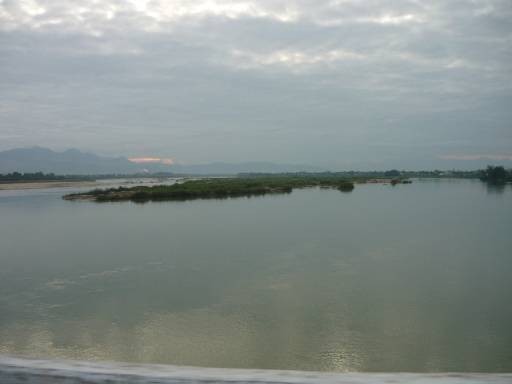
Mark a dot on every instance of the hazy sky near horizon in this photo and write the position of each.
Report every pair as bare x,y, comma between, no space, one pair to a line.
343,83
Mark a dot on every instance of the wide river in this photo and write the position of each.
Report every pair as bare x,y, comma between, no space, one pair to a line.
408,278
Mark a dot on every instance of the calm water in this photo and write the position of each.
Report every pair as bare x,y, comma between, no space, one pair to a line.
411,278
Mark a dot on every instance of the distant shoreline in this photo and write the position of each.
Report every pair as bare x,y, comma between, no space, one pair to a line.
20,185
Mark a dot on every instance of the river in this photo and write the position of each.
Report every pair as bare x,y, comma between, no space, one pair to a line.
407,278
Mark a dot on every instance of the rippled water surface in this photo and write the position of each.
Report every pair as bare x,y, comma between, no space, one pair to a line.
407,278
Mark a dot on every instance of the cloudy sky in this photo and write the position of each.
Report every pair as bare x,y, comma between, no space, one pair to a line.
339,83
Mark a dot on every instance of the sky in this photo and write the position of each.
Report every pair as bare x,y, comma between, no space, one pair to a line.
344,84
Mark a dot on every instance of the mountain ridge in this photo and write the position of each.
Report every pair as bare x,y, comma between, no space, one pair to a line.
76,162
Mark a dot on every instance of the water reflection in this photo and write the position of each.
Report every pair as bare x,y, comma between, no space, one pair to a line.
496,188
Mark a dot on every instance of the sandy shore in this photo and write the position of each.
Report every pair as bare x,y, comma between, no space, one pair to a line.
46,184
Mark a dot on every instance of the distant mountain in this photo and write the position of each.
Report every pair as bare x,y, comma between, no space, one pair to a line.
75,162
72,161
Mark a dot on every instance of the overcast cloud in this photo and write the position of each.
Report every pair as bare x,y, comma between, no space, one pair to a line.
340,83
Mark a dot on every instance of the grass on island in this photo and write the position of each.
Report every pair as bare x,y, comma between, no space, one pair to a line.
215,188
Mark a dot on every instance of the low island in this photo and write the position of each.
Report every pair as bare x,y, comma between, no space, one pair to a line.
215,188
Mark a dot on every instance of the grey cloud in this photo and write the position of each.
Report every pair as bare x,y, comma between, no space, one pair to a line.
317,81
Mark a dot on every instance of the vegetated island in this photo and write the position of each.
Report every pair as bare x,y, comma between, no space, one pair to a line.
215,188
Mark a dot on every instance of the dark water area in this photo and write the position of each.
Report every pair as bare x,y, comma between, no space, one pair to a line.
407,278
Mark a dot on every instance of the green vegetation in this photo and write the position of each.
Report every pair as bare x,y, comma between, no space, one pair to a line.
496,175
400,181
37,176
215,188
389,174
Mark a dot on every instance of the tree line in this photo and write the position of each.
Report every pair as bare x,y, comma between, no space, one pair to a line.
36,176
496,174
